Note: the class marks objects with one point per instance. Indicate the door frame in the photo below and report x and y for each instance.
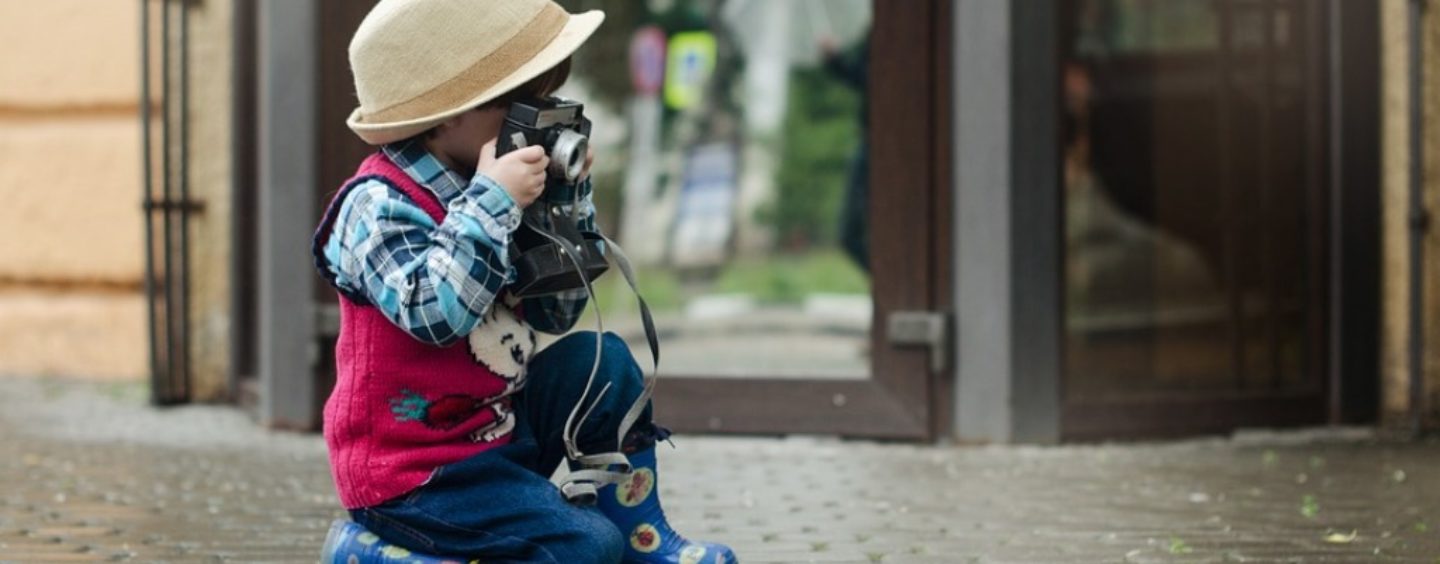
(910, 217)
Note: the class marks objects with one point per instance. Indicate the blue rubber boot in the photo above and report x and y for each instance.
(634, 507)
(349, 543)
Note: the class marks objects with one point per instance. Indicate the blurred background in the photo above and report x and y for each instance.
(923, 220)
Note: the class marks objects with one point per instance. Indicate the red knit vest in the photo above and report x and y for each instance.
(400, 407)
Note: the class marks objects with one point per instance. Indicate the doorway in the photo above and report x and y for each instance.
(1198, 196)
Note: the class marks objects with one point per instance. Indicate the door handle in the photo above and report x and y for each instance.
(914, 329)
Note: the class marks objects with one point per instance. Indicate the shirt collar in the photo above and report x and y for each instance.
(425, 169)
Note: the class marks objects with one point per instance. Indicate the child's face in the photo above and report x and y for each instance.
(461, 138)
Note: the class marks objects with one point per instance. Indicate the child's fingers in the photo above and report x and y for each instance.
(530, 154)
(487, 154)
(536, 167)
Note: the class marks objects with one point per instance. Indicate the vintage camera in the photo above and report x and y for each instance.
(550, 253)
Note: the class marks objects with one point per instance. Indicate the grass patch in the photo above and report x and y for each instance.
(788, 279)
(777, 279)
(660, 287)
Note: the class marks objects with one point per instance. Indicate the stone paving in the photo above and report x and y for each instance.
(91, 474)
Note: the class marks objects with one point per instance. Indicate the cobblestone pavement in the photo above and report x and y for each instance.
(89, 473)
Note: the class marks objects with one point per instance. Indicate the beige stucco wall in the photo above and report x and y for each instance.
(1395, 222)
(72, 190)
(210, 128)
(69, 52)
(70, 257)
(69, 141)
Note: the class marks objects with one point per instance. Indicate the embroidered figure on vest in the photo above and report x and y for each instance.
(503, 424)
(503, 344)
(442, 414)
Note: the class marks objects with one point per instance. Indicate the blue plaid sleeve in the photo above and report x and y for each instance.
(556, 314)
(435, 282)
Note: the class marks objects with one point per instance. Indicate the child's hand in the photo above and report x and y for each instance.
(520, 172)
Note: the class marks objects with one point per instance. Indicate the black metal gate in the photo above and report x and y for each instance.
(166, 203)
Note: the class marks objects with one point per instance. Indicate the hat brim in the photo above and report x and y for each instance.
(577, 29)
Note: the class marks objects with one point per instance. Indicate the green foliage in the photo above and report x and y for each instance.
(821, 133)
(660, 287)
(779, 279)
(604, 61)
(609, 199)
(788, 279)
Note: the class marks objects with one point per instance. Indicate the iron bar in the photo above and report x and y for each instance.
(241, 186)
(181, 377)
(162, 392)
(148, 187)
(1417, 213)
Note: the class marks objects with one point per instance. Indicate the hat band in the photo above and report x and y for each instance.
(484, 74)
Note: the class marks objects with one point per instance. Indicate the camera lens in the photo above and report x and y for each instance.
(567, 158)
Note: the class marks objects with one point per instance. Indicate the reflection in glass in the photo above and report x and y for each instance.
(730, 178)
(1190, 173)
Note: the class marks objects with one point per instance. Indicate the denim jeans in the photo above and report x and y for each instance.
(499, 506)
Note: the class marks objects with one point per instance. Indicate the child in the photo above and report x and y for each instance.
(445, 423)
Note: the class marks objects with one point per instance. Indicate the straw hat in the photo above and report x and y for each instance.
(418, 63)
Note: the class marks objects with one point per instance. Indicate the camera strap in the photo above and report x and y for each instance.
(612, 467)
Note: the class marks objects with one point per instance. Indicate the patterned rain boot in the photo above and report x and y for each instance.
(634, 507)
(349, 543)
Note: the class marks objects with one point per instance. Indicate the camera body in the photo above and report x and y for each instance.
(559, 126)
(542, 266)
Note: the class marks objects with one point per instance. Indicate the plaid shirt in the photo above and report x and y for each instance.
(436, 282)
